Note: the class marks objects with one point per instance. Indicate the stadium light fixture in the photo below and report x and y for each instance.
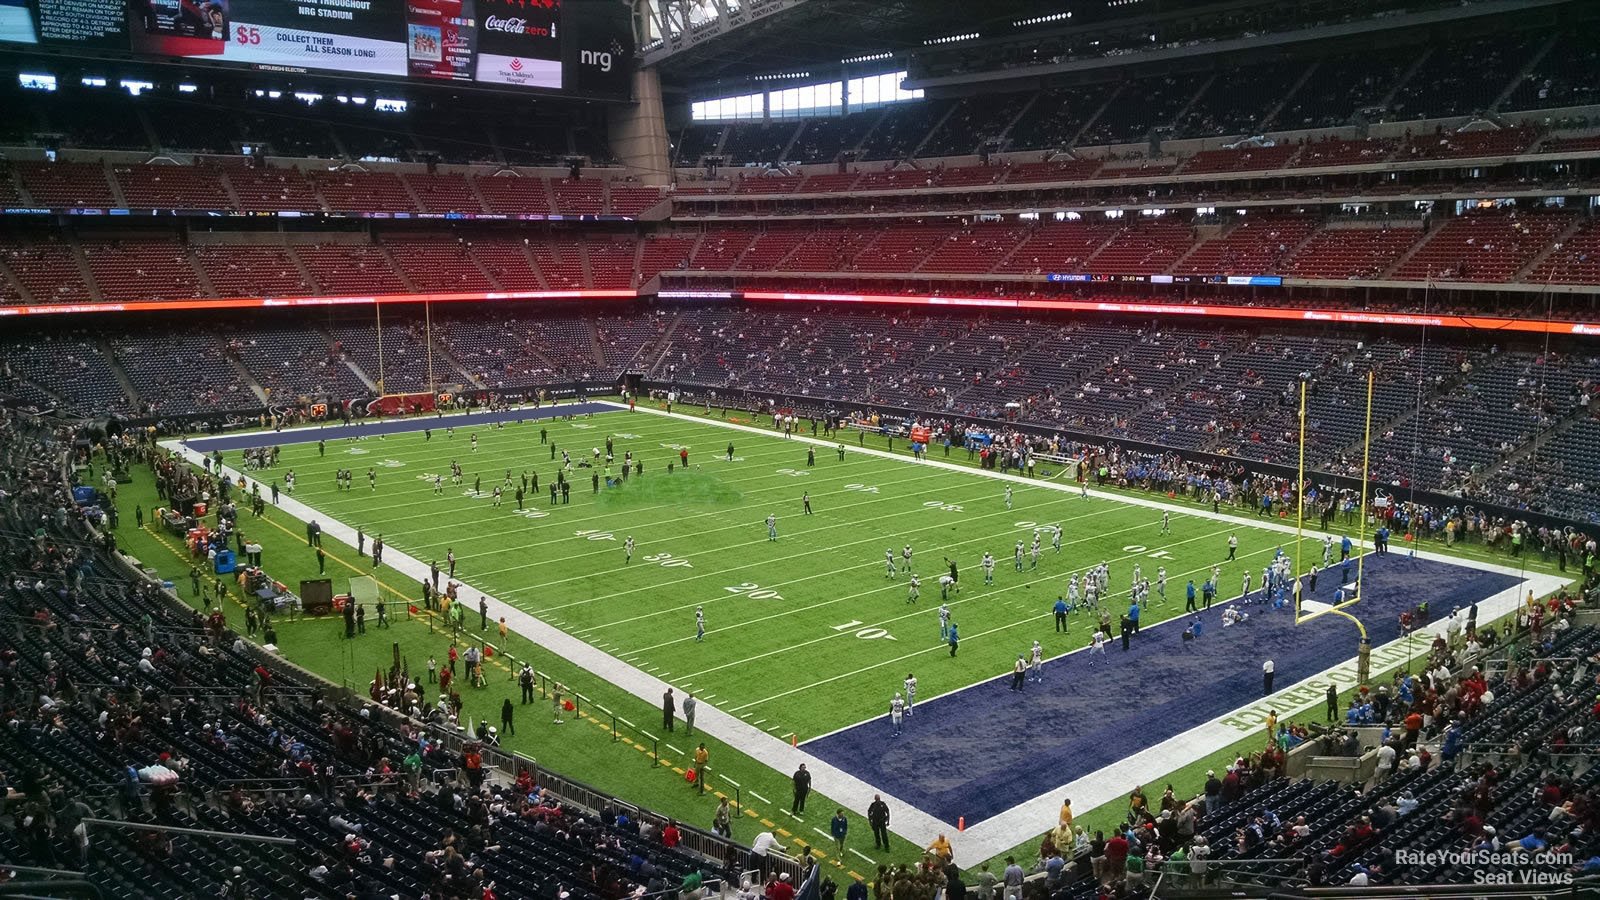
(93, 81)
(951, 39)
(1042, 20)
(781, 76)
(867, 57)
(135, 87)
(273, 95)
(188, 88)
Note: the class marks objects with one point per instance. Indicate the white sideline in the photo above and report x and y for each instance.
(991, 836)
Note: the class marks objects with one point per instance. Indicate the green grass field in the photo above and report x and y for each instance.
(828, 569)
(805, 634)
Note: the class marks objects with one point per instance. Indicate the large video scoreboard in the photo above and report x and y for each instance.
(582, 47)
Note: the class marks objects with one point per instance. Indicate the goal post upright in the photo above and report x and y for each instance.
(1300, 505)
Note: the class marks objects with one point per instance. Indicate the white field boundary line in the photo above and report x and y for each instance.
(767, 749)
(1002, 832)
(994, 835)
(453, 419)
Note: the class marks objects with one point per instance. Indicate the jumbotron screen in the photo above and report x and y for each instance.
(580, 47)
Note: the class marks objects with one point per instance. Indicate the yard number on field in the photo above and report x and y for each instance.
(866, 634)
(754, 591)
(794, 473)
(863, 488)
(667, 560)
(941, 505)
(1140, 548)
(595, 535)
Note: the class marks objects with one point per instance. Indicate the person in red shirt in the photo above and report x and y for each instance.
(1116, 854)
(670, 836)
(781, 889)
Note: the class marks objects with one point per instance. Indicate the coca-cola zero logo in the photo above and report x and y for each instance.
(510, 25)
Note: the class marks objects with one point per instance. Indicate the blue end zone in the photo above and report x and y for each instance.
(339, 432)
(985, 749)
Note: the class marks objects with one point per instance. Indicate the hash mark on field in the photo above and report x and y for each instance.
(759, 797)
(708, 696)
(772, 728)
(748, 715)
(684, 684)
(821, 832)
(758, 721)
(860, 854)
(674, 749)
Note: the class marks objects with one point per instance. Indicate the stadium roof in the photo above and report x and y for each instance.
(726, 40)
(707, 42)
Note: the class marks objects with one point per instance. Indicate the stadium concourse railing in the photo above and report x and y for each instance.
(743, 398)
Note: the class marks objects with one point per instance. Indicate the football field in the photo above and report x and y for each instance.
(804, 634)
(809, 633)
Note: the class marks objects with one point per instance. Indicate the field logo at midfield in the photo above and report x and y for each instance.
(392, 464)
(358, 451)
(754, 591)
(863, 488)
(581, 425)
(677, 446)
(794, 473)
(941, 505)
(627, 436)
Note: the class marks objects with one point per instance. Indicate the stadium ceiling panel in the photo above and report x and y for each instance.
(702, 40)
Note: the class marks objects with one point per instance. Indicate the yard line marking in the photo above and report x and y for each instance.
(759, 797)
(862, 855)
(626, 722)
(793, 816)
(822, 574)
(821, 832)
(741, 526)
(675, 750)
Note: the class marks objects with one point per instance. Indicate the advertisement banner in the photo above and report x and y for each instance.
(519, 43)
(357, 36)
(600, 58)
(440, 38)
